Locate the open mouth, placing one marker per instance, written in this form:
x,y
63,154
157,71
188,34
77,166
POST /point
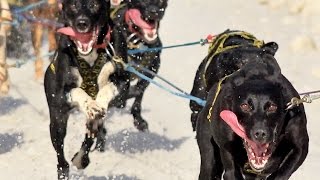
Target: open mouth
x,y
146,28
83,41
258,154
150,33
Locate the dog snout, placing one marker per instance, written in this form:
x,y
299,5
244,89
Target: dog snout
x,y
153,13
83,25
260,135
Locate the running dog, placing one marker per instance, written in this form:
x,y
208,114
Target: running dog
x,y
86,73
246,130
141,19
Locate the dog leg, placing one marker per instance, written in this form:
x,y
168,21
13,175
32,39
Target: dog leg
x,y
58,127
37,33
52,13
211,167
81,159
4,76
52,39
296,157
139,89
232,172
101,138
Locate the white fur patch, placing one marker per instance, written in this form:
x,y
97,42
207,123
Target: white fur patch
x,y
91,57
75,73
107,90
105,72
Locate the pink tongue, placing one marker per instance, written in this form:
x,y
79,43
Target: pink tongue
x,y
231,119
135,16
84,38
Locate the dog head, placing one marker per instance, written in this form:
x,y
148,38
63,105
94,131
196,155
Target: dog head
x,y
83,20
145,16
257,111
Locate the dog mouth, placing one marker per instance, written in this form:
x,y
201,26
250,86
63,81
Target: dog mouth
x,y
146,28
83,41
150,34
258,153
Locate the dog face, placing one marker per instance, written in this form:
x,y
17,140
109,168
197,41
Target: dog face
x,y
151,12
84,17
259,106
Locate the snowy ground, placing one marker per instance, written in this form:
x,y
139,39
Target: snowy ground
x,y
169,151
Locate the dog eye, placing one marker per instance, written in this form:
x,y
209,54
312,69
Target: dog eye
x,y
272,108
245,107
73,7
93,6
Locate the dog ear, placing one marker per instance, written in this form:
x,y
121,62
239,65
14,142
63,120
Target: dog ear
x,y
270,48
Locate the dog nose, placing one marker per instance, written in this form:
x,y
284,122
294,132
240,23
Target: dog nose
x,y
260,135
153,12
82,24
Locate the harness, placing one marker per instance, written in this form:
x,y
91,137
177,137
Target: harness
x,y
90,74
217,46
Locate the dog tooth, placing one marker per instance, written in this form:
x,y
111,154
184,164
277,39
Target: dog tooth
x,y
264,161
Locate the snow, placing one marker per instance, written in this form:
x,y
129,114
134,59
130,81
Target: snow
x,y
169,151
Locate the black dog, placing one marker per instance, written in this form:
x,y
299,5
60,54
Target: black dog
x,y
141,19
83,74
260,138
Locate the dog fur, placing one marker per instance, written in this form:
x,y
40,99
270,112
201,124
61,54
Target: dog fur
x,y
152,12
65,77
4,31
257,93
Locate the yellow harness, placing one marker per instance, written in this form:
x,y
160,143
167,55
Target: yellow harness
x,y
216,47
88,73
115,10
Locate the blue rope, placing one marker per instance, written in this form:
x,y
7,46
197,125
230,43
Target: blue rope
x,y
156,75
136,51
183,95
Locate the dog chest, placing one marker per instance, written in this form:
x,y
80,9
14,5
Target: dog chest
x,y
90,72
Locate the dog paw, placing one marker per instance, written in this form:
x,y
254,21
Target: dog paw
x,y
141,125
63,172
81,160
93,110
